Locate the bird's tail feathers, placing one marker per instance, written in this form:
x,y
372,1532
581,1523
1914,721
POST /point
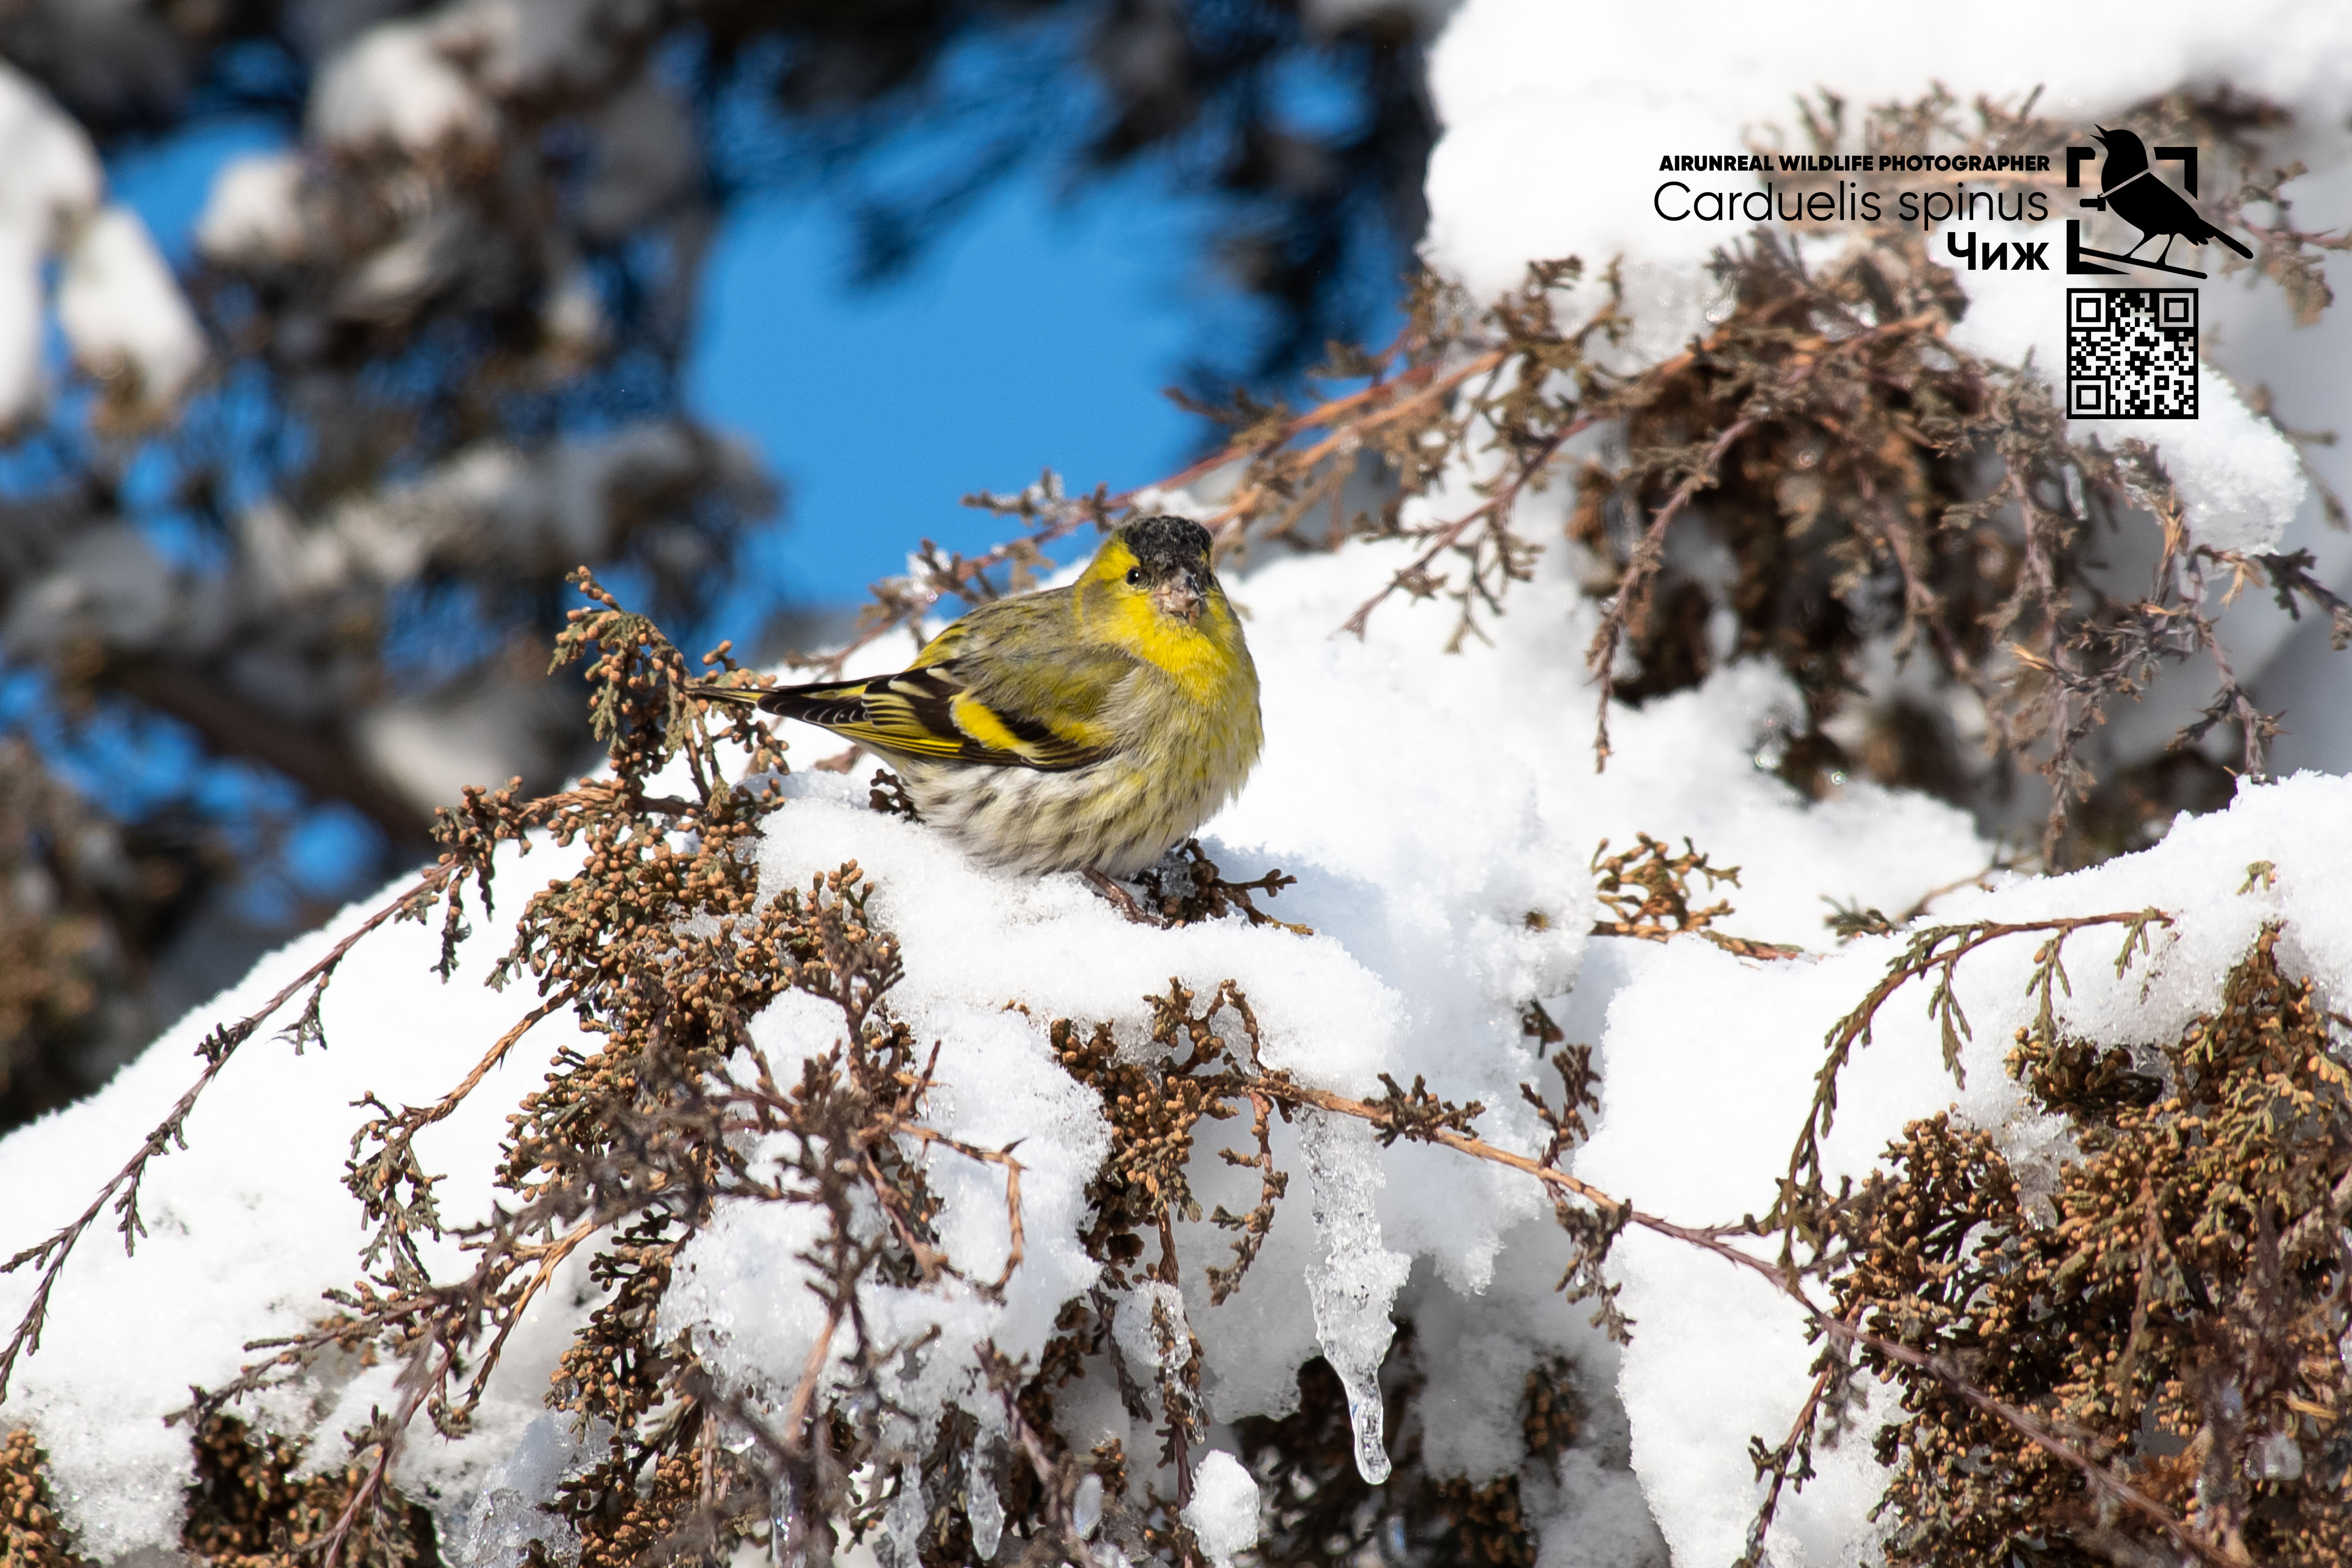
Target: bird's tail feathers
x,y
735,696
819,702
2233,245
793,702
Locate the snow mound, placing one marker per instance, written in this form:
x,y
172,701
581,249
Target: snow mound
x,y
122,315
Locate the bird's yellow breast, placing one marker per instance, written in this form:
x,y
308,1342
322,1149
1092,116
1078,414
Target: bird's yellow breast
x,y
1204,660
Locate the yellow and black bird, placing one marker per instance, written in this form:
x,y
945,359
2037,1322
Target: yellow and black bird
x,y
1087,727
2132,190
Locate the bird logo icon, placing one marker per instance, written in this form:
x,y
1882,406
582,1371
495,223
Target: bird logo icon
x,y
2131,189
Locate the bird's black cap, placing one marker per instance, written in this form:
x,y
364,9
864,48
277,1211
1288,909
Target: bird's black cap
x,y
1164,543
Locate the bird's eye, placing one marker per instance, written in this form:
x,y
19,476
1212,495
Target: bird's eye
x,y
1134,577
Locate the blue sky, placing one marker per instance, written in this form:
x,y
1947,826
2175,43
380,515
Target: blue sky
x,y
1036,334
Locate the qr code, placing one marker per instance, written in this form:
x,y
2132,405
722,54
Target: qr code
x,y
2131,354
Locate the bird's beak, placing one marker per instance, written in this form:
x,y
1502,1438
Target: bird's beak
x,y
1179,596
2100,136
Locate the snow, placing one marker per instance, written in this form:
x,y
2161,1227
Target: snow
x,y
20,331
543,509
247,1227
50,182
506,1518
421,85
396,86
252,218
1592,97
51,178
1224,1509
109,581
430,746
1418,884
1521,85
743,1286
1703,1052
123,315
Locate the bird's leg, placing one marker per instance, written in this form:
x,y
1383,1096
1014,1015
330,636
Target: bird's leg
x,y
2135,249
1120,898
2167,250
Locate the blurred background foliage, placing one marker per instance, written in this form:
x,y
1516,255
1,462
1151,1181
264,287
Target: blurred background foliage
x,y
333,332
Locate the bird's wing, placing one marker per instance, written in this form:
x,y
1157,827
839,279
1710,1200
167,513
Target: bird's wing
x,y
974,708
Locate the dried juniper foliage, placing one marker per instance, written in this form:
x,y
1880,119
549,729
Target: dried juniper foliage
x,y
246,1510
2177,1309
88,899
1807,1211
661,947
1647,890
1154,1102
1874,489
31,1533
1198,1065
1849,920
1874,486
1826,1235
1186,887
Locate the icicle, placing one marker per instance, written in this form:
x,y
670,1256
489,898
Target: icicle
x,y
1085,1507
1357,1278
903,1520
982,1505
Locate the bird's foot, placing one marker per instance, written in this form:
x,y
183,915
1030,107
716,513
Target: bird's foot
x,y
1120,898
